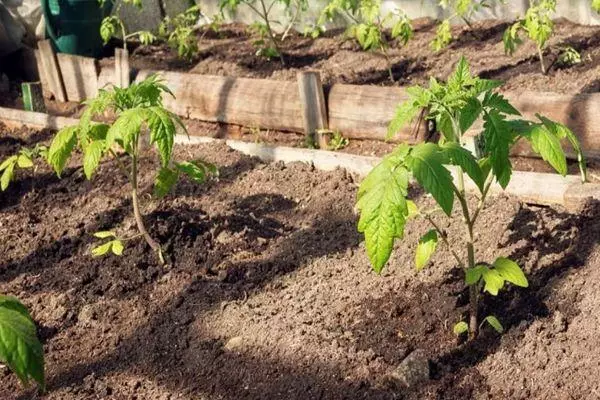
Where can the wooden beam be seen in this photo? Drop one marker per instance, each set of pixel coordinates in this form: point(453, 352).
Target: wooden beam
point(16, 118)
point(80, 76)
point(314, 111)
point(122, 71)
point(51, 69)
point(261, 103)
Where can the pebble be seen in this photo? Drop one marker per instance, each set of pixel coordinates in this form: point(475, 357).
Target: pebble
point(412, 371)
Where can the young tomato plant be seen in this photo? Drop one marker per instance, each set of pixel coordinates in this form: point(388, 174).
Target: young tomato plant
point(538, 25)
point(20, 348)
point(455, 107)
point(180, 32)
point(113, 26)
point(139, 109)
point(367, 26)
point(25, 159)
point(264, 28)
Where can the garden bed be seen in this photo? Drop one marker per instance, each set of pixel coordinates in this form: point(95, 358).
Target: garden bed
point(231, 53)
point(268, 292)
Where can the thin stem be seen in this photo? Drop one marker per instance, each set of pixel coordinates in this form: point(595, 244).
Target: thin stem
point(541, 56)
point(486, 188)
point(123, 34)
point(389, 63)
point(120, 164)
point(265, 15)
point(444, 237)
point(136, 207)
point(292, 23)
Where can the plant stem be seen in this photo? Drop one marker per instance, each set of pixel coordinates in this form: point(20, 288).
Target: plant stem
point(445, 240)
point(265, 15)
point(389, 63)
point(136, 209)
point(541, 55)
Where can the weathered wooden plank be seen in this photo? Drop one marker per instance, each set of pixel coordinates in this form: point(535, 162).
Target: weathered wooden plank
point(43, 75)
point(52, 71)
point(364, 112)
point(122, 67)
point(107, 77)
point(15, 118)
point(263, 103)
point(314, 108)
point(80, 76)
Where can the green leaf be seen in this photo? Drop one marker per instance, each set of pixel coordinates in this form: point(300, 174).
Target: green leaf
point(413, 210)
point(461, 75)
point(91, 157)
point(162, 132)
point(493, 281)
point(20, 348)
point(461, 157)
point(104, 234)
point(24, 161)
point(7, 162)
point(547, 144)
point(510, 271)
point(494, 323)
point(164, 181)
point(473, 275)
point(102, 249)
point(425, 249)
point(196, 170)
point(426, 162)
point(405, 114)
point(126, 128)
point(499, 102)
point(61, 148)
point(117, 247)
point(383, 208)
point(460, 328)
point(498, 138)
point(7, 176)
point(562, 132)
point(469, 113)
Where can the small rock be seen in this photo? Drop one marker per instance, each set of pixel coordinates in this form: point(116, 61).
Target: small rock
point(413, 370)
point(234, 344)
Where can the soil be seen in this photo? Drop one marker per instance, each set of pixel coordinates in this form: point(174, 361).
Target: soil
point(268, 292)
point(231, 52)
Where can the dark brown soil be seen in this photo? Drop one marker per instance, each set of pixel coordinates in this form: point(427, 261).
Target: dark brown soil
point(231, 52)
point(268, 293)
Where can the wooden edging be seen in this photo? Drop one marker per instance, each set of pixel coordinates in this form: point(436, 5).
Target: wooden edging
point(530, 187)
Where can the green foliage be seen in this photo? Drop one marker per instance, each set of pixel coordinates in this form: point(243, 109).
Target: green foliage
point(113, 26)
point(596, 5)
point(338, 141)
point(180, 32)
point(138, 110)
point(20, 348)
point(455, 106)
point(24, 159)
point(460, 9)
point(494, 323)
point(568, 57)
point(538, 25)
point(460, 328)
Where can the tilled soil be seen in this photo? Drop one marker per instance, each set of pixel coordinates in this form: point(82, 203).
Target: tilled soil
point(231, 52)
point(268, 292)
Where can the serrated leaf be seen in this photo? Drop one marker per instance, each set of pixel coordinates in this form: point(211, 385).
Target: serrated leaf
point(20, 348)
point(469, 113)
point(494, 323)
point(547, 145)
point(196, 170)
point(162, 132)
point(92, 155)
point(499, 102)
point(117, 247)
point(498, 138)
point(562, 132)
point(425, 249)
point(493, 281)
point(510, 271)
point(383, 208)
point(24, 161)
point(104, 234)
point(7, 176)
point(102, 249)
point(405, 114)
point(426, 162)
point(61, 148)
point(126, 128)
point(473, 275)
point(164, 181)
point(460, 328)
point(7, 162)
point(461, 157)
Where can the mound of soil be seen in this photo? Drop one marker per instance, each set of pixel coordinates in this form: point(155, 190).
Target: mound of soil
point(231, 52)
point(268, 292)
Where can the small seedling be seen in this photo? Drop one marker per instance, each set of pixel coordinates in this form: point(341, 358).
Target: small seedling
point(537, 24)
point(180, 32)
point(138, 109)
point(25, 159)
point(568, 57)
point(294, 10)
point(455, 106)
point(335, 140)
point(113, 26)
point(20, 348)
point(367, 26)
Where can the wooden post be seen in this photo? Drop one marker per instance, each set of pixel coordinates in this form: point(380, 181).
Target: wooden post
point(312, 101)
point(33, 99)
point(51, 70)
point(122, 67)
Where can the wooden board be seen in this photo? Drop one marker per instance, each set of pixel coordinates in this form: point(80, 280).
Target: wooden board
point(107, 77)
point(42, 74)
point(49, 65)
point(122, 67)
point(80, 76)
point(364, 112)
point(16, 118)
point(259, 103)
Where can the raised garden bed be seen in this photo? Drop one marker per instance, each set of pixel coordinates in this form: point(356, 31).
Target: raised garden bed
point(269, 293)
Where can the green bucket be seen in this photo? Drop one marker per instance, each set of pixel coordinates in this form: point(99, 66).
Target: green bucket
point(74, 25)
